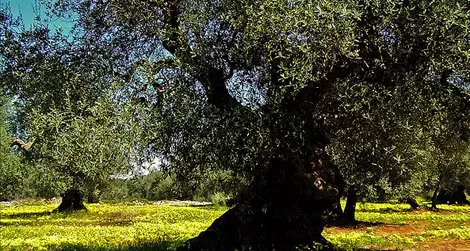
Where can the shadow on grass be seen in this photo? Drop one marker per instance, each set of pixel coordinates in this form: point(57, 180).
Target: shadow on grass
point(33, 219)
point(355, 224)
point(386, 210)
point(26, 215)
point(36, 215)
point(155, 246)
point(170, 246)
point(423, 208)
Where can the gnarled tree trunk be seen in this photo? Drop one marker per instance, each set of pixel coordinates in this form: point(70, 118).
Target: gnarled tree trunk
point(72, 200)
point(283, 210)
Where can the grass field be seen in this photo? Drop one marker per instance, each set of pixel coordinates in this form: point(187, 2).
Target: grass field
point(31, 226)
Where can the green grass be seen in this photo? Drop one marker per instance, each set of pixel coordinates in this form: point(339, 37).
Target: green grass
point(32, 226)
point(398, 227)
point(103, 227)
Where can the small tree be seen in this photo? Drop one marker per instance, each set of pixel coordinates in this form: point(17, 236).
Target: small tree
point(86, 148)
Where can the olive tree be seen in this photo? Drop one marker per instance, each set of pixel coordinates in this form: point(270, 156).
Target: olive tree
point(256, 87)
point(378, 149)
point(86, 149)
point(448, 146)
point(82, 133)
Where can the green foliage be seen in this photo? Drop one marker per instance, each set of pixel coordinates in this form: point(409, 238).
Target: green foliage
point(237, 81)
point(43, 181)
point(214, 186)
point(11, 168)
point(219, 199)
point(86, 149)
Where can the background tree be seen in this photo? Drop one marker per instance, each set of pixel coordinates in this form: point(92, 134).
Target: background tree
point(64, 99)
point(448, 146)
point(378, 144)
point(86, 150)
point(11, 168)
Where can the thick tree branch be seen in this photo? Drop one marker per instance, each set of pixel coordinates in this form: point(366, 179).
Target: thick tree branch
point(21, 144)
point(212, 79)
point(171, 15)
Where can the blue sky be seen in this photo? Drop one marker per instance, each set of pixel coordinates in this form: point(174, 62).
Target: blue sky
point(23, 7)
point(28, 9)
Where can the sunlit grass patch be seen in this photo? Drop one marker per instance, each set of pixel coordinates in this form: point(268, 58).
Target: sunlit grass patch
point(103, 227)
point(401, 228)
point(160, 227)
point(370, 240)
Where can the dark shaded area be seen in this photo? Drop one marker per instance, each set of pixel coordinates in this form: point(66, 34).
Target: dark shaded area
point(93, 199)
point(25, 215)
point(247, 228)
point(452, 197)
point(356, 224)
point(155, 246)
point(164, 246)
point(72, 200)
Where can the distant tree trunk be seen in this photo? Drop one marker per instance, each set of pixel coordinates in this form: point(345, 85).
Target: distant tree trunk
point(92, 198)
point(460, 197)
point(281, 211)
point(72, 200)
point(434, 197)
point(412, 202)
point(349, 215)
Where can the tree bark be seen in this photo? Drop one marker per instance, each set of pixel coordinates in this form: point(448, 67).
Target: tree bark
point(460, 197)
point(72, 200)
point(349, 215)
point(434, 197)
point(335, 215)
